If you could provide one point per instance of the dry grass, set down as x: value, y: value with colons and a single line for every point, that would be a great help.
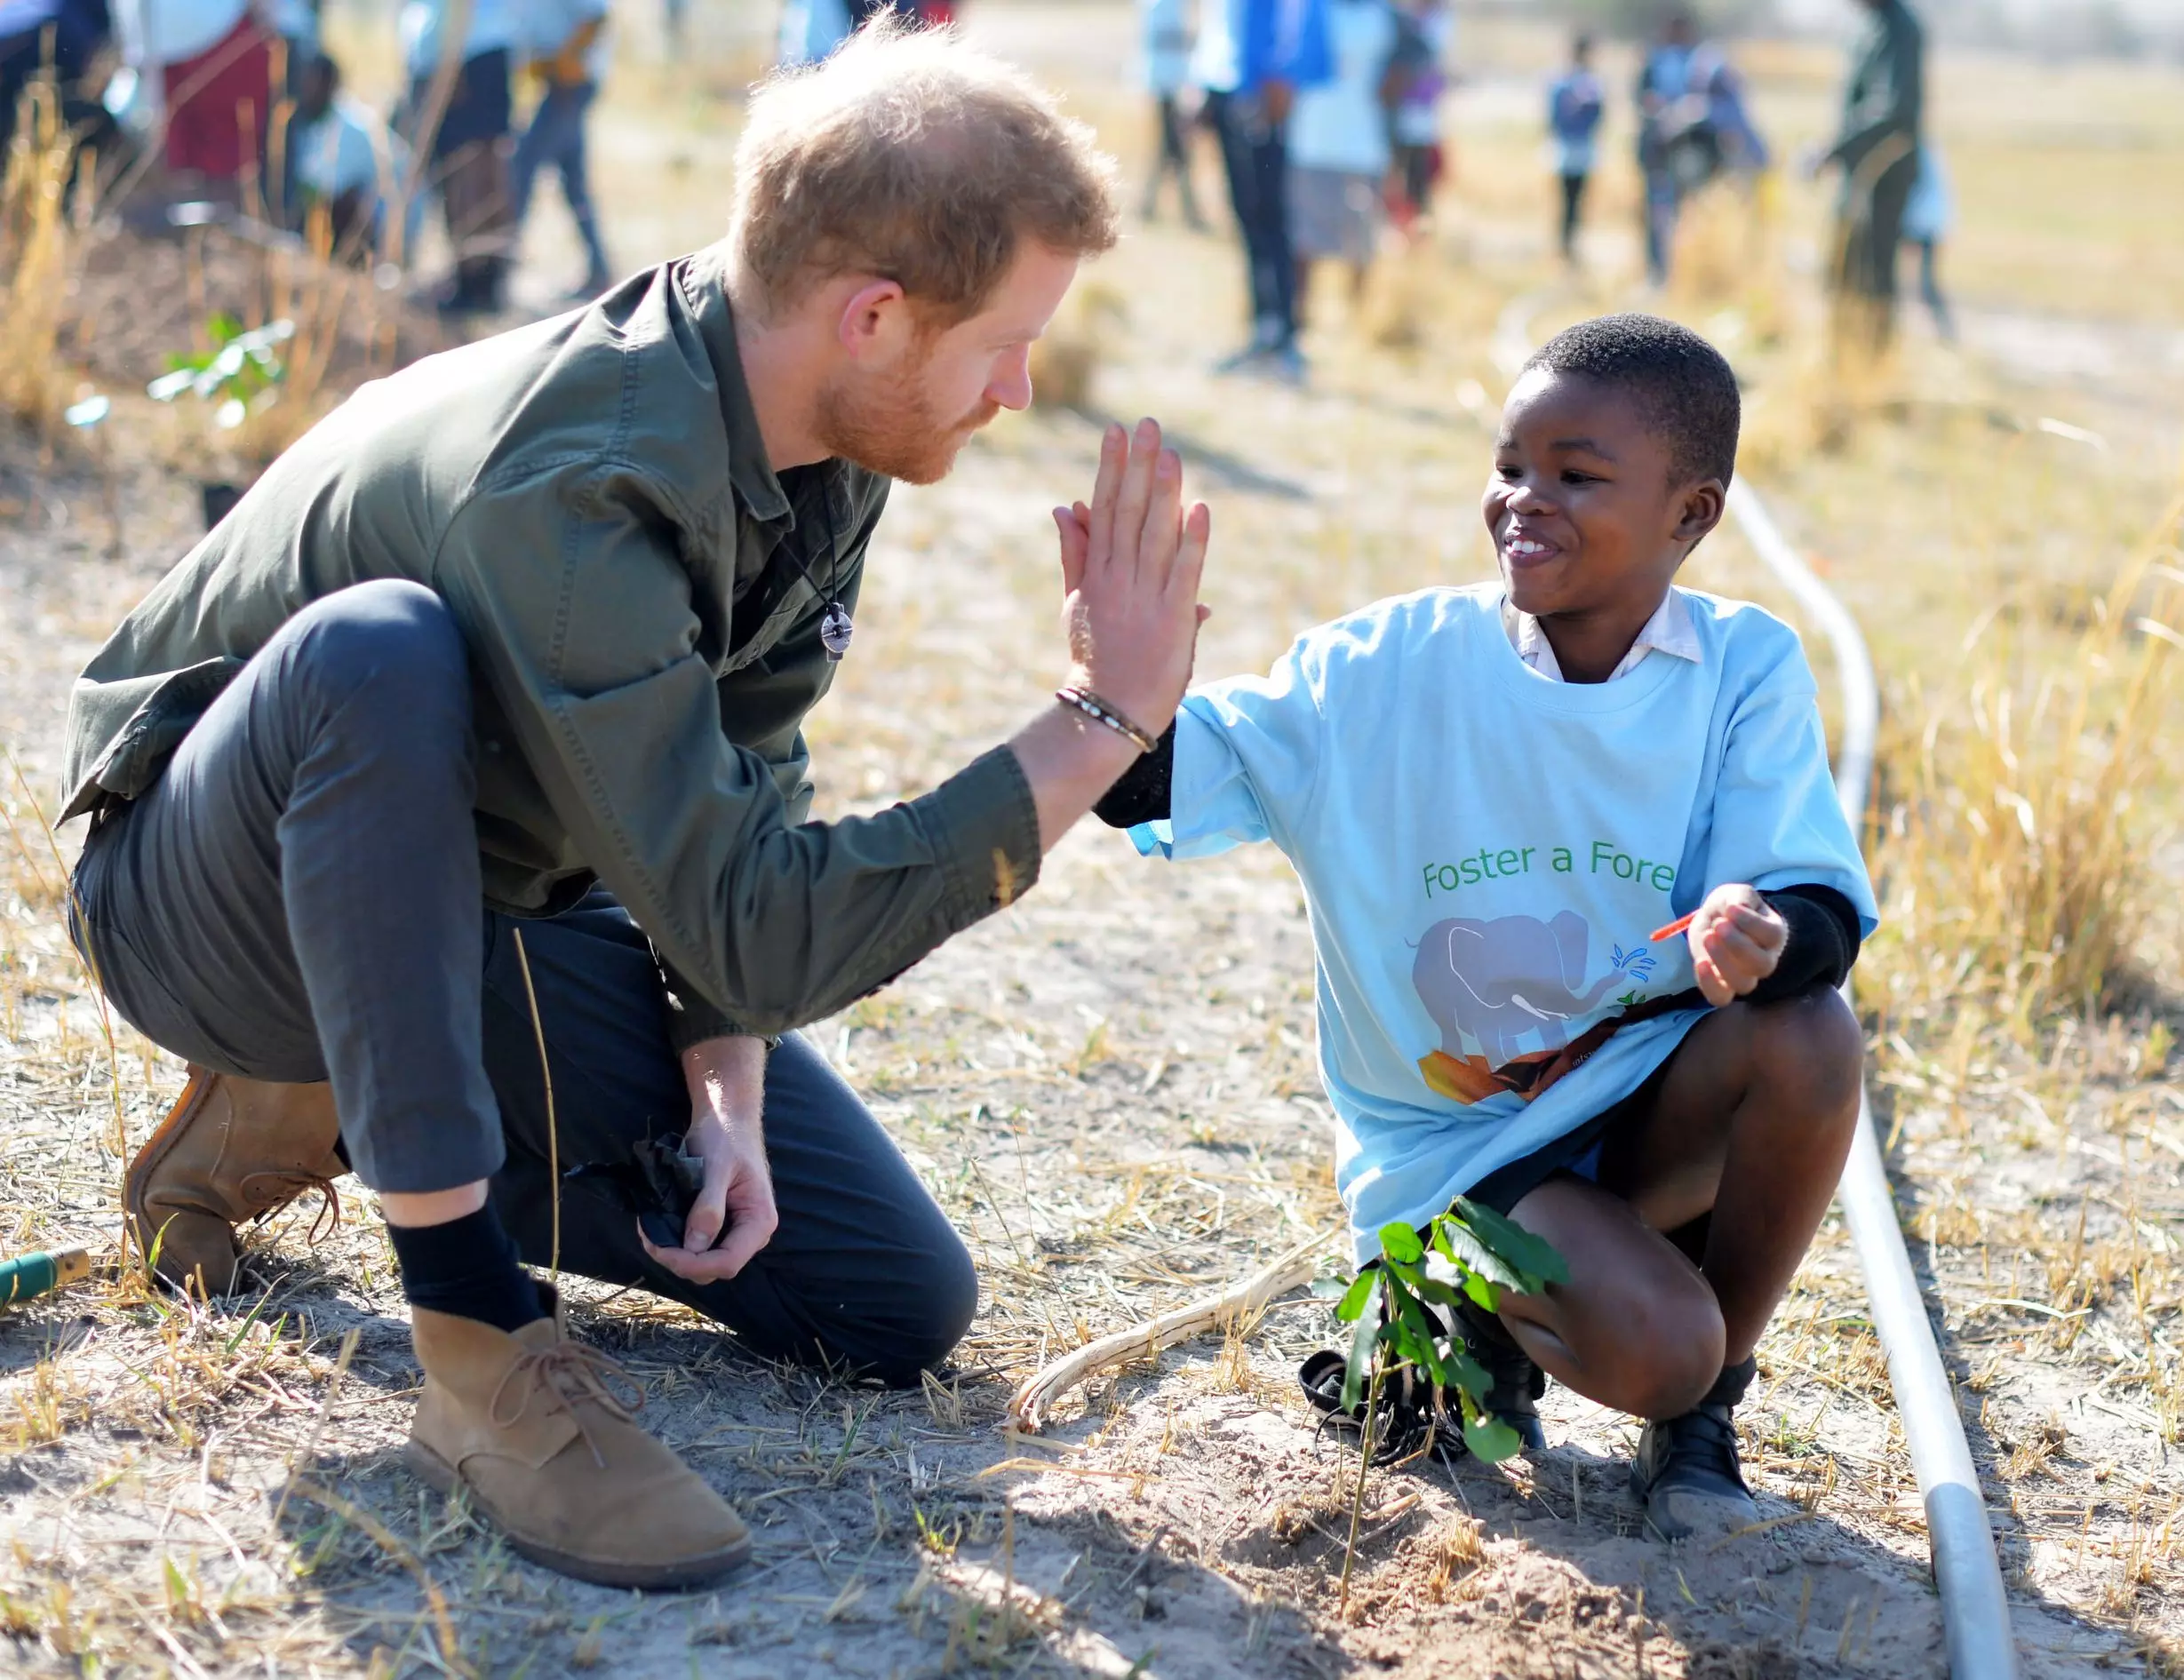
x: 1112, y: 1092
x: 36, y: 230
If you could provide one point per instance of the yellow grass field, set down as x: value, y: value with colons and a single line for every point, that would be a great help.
x: 1112, y: 1088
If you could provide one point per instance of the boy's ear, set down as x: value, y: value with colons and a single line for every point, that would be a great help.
x: 1700, y: 507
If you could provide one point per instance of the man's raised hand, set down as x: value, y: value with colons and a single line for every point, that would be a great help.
x: 1131, y: 563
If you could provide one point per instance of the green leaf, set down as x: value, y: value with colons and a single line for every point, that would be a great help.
x: 1400, y: 1242
x: 1533, y: 1254
x: 221, y: 327
x: 1351, y: 1306
x: 1486, y: 1293
x: 1359, y: 1371
x: 1467, y: 1376
x: 1490, y: 1439
x: 1464, y: 1250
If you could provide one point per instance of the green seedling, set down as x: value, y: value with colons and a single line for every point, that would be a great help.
x: 242, y: 371
x: 1469, y: 1253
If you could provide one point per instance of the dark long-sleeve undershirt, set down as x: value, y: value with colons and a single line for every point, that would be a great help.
x: 1824, y: 933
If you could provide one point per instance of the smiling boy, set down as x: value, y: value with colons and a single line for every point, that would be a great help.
x: 1491, y: 796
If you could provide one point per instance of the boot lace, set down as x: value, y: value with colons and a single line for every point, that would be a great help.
x: 568, y: 1373
x: 1702, y: 1450
x: 285, y: 1185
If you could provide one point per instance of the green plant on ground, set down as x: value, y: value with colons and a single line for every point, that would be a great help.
x: 1468, y: 1253
x: 241, y: 373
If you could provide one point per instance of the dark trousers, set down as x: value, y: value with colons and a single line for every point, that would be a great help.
x: 1172, y: 157
x: 1255, y: 154
x: 297, y: 898
x: 554, y: 139
x: 1573, y: 210
x: 1872, y: 236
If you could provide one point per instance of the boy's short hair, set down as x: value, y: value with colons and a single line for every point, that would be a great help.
x: 1683, y: 387
x: 911, y: 156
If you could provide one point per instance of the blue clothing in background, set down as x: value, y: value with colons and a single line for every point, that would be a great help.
x: 1484, y: 852
x: 1341, y: 124
x: 1930, y: 211
x: 494, y: 24
x: 1165, y: 31
x: 1575, y: 105
x: 1243, y: 44
x: 548, y: 25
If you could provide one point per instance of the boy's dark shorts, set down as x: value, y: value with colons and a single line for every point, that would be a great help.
x: 1576, y: 1152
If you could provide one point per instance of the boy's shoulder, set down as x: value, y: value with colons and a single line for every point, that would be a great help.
x: 1743, y: 634
x: 1394, y: 624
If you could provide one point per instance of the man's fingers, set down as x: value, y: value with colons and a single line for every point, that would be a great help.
x: 1190, y: 566
x: 1162, y: 538
x: 1134, y: 495
x: 1100, y: 517
x: 1074, y: 539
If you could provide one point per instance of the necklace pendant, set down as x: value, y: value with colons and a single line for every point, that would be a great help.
x: 835, y: 629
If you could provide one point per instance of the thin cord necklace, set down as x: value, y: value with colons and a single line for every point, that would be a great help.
x: 835, y: 627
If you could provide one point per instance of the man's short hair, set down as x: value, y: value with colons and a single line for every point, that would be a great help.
x: 1682, y: 386
x: 911, y: 156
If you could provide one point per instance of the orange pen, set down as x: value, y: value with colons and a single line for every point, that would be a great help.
x: 1671, y: 930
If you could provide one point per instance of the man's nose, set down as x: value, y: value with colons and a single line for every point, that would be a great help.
x: 1011, y: 384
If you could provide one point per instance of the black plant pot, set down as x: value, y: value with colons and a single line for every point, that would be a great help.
x: 220, y: 501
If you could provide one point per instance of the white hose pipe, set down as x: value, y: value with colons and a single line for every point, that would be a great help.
x: 1975, y: 1611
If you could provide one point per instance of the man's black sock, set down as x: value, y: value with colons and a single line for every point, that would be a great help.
x: 467, y: 1267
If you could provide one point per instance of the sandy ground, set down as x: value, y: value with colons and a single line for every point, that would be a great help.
x: 1111, y: 1090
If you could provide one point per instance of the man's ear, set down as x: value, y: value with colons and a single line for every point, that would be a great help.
x: 874, y: 320
x: 1699, y: 508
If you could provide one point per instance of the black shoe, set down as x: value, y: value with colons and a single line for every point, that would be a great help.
x: 1519, y: 1384
x: 1687, y: 1470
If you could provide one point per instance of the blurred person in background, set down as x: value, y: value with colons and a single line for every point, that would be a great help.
x: 1877, y: 147
x: 1575, y: 104
x: 341, y: 158
x: 1339, y: 148
x: 1252, y: 58
x: 68, y: 33
x: 1927, y: 217
x: 463, y: 84
x: 1420, y: 78
x: 811, y: 29
x: 207, y: 65
x: 568, y: 48
x: 1673, y: 118
x: 1166, y: 35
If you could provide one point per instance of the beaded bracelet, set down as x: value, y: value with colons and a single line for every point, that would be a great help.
x: 1098, y: 709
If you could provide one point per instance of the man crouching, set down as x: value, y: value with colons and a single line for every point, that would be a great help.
x: 489, y: 697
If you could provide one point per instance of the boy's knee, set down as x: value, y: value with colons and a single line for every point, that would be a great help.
x: 388, y: 636
x: 1810, y: 1043
x: 1680, y: 1331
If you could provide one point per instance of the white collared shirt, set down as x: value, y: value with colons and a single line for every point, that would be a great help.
x: 1669, y: 631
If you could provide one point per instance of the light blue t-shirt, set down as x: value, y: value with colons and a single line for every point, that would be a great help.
x: 1341, y: 124
x: 1483, y: 851
x: 493, y: 24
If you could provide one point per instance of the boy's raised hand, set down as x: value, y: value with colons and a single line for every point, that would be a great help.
x: 1131, y: 563
x: 1736, y: 940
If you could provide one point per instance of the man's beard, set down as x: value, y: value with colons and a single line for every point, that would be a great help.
x: 890, y: 425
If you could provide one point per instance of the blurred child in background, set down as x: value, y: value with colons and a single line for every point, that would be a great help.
x: 465, y: 83
x: 1339, y: 149
x: 1167, y: 40
x: 338, y: 158
x: 1575, y: 104
x: 568, y: 52
x: 1928, y: 216
x: 1420, y: 79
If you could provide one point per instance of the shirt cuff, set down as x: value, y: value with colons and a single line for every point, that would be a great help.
x: 692, y: 1018
x: 984, y: 825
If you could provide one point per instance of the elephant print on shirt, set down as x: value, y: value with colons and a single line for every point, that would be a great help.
x: 1509, y: 987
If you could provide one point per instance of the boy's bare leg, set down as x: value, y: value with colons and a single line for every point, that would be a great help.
x: 1752, y: 1123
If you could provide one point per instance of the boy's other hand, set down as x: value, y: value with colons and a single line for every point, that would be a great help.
x: 1736, y: 940
x: 1130, y: 566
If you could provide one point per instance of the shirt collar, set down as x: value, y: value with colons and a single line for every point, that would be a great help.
x: 702, y: 281
x: 1669, y: 631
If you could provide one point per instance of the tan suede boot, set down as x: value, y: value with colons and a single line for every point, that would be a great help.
x: 229, y: 1151
x: 533, y: 1426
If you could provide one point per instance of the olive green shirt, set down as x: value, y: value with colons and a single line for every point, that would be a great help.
x: 641, y: 595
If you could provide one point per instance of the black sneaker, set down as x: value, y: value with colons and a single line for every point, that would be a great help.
x: 1519, y: 1384
x: 1687, y: 1471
